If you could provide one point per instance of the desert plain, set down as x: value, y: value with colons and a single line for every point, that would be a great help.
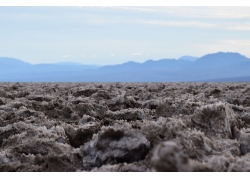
x: 145, y: 127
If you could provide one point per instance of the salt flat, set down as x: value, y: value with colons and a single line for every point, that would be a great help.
x: 124, y: 126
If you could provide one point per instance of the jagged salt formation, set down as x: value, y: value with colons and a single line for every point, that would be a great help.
x: 124, y: 127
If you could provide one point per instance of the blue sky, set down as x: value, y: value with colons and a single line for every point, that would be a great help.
x: 113, y: 35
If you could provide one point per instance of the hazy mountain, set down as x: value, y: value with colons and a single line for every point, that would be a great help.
x: 188, y: 58
x: 90, y: 66
x: 149, y: 65
x: 12, y: 69
x: 11, y: 66
x: 220, y: 59
x: 68, y: 63
x: 229, y: 79
x: 211, y: 67
x: 5, y: 62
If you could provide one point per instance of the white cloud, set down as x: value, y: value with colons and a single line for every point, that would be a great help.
x: 237, y: 42
x: 196, y: 24
x: 146, y: 9
x: 176, y: 23
x: 112, y: 55
x: 136, y: 54
x: 100, y: 20
x: 82, y: 55
x: 239, y: 28
x: 152, y: 22
x: 202, y: 17
x: 126, y: 3
x: 197, y: 12
x: 93, y: 56
x: 66, y: 56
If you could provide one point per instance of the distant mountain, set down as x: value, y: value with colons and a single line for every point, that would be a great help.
x: 149, y: 65
x: 211, y: 67
x: 5, y: 62
x: 68, y: 63
x: 220, y: 59
x: 12, y: 69
x: 188, y: 58
x: 10, y: 66
x: 230, y: 79
x: 89, y: 66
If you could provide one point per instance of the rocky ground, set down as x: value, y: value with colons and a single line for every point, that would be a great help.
x: 124, y: 127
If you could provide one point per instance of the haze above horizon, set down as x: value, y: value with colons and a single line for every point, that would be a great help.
x: 114, y: 35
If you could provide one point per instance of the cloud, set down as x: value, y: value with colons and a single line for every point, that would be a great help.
x: 196, y: 11
x: 66, y: 56
x: 100, y: 20
x: 151, y: 22
x: 112, y: 55
x: 146, y: 9
x: 93, y: 56
x: 237, y: 42
x: 199, y: 17
x: 239, y: 28
x: 196, y: 24
x: 82, y: 55
x: 176, y: 23
x: 136, y: 54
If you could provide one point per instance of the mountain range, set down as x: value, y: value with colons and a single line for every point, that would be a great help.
x: 216, y: 67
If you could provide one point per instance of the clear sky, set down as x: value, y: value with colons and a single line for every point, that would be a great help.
x: 113, y: 35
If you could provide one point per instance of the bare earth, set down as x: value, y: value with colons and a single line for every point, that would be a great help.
x: 124, y: 127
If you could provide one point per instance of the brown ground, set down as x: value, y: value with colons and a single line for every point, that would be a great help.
x: 124, y: 127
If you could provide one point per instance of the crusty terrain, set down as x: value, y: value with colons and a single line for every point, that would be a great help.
x: 124, y: 127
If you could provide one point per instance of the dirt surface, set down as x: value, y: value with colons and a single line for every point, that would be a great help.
x: 124, y: 127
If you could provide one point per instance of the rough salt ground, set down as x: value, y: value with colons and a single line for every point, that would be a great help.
x: 124, y: 126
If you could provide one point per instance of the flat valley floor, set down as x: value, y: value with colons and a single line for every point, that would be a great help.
x: 124, y: 127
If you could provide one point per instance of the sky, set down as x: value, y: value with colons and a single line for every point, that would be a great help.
x: 113, y: 35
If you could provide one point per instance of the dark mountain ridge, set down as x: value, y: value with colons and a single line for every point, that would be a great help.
x: 211, y: 66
